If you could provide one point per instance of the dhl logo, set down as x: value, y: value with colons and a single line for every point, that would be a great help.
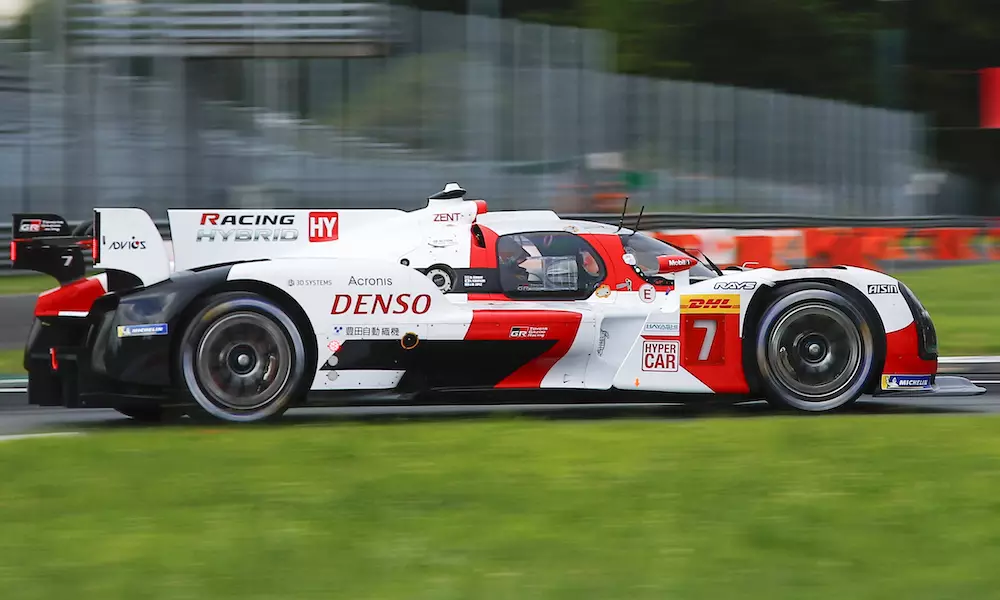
x: 725, y: 304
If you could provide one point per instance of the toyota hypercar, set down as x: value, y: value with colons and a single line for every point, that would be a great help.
x: 243, y: 314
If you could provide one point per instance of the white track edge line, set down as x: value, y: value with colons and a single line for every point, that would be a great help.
x: 26, y: 436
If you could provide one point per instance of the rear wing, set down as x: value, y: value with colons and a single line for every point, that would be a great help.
x: 46, y: 243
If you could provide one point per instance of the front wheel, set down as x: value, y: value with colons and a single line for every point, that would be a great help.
x: 242, y: 358
x: 814, y: 348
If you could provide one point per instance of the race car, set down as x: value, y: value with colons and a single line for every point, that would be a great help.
x: 246, y: 313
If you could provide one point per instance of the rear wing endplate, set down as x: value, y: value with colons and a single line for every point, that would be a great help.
x: 46, y: 243
x: 127, y: 240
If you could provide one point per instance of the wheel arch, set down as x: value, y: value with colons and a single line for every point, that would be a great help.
x: 271, y: 292
x: 760, y: 302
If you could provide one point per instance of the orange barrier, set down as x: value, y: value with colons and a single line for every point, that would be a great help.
x: 866, y: 247
x: 950, y: 243
x: 832, y: 246
x: 882, y: 243
x: 755, y: 249
x: 684, y: 240
x: 993, y: 243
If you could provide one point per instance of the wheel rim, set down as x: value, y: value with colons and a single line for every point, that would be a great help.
x: 243, y: 361
x: 815, y: 350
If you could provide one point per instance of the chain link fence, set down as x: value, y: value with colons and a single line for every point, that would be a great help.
x: 524, y: 115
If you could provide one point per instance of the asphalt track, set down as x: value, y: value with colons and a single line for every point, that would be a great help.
x: 15, y: 319
x: 17, y: 418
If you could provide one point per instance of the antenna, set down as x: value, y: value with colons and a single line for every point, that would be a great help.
x: 622, y: 220
x: 639, y: 218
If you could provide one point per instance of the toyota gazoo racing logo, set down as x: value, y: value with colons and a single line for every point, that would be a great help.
x: 218, y: 227
x: 129, y: 244
x: 723, y: 303
x: 40, y: 225
x: 527, y: 331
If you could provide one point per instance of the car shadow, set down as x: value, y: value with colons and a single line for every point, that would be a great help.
x: 556, y: 412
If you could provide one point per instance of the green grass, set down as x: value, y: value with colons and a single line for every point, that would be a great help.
x: 26, y: 284
x: 12, y: 362
x: 965, y: 305
x: 827, y: 508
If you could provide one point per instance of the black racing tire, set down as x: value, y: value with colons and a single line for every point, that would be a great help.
x: 815, y: 349
x: 242, y: 359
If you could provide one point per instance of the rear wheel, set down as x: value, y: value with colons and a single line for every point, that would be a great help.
x: 242, y: 358
x: 815, y: 349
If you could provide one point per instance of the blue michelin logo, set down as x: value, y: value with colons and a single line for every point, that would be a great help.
x: 140, y: 330
x: 906, y: 382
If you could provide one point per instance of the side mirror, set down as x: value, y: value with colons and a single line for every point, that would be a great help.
x: 674, y: 263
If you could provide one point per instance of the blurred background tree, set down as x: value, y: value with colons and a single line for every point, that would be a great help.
x: 919, y: 55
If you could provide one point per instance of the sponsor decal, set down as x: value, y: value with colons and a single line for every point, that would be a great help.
x: 250, y: 219
x: 442, y: 242
x: 602, y: 342
x: 132, y: 244
x: 369, y: 280
x: 309, y: 282
x: 882, y: 288
x: 663, y: 328
x: 324, y: 226
x: 721, y: 304
x: 246, y: 228
x: 39, y: 225
x: 470, y: 281
x: 528, y: 332
x: 367, y: 331
x: 141, y: 330
x: 660, y: 355
x: 447, y: 217
x: 906, y: 382
x: 736, y: 285
x: 603, y: 291
x: 380, y: 304
x: 647, y: 293
x: 679, y: 262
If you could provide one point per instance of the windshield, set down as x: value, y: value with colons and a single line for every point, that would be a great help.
x: 646, y: 250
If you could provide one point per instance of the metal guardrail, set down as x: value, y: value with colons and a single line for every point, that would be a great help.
x: 778, y: 221
x: 207, y: 29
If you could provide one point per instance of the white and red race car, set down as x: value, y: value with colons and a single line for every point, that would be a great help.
x: 245, y: 313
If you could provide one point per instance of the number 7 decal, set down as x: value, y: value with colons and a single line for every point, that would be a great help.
x: 710, y: 327
x: 704, y: 340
